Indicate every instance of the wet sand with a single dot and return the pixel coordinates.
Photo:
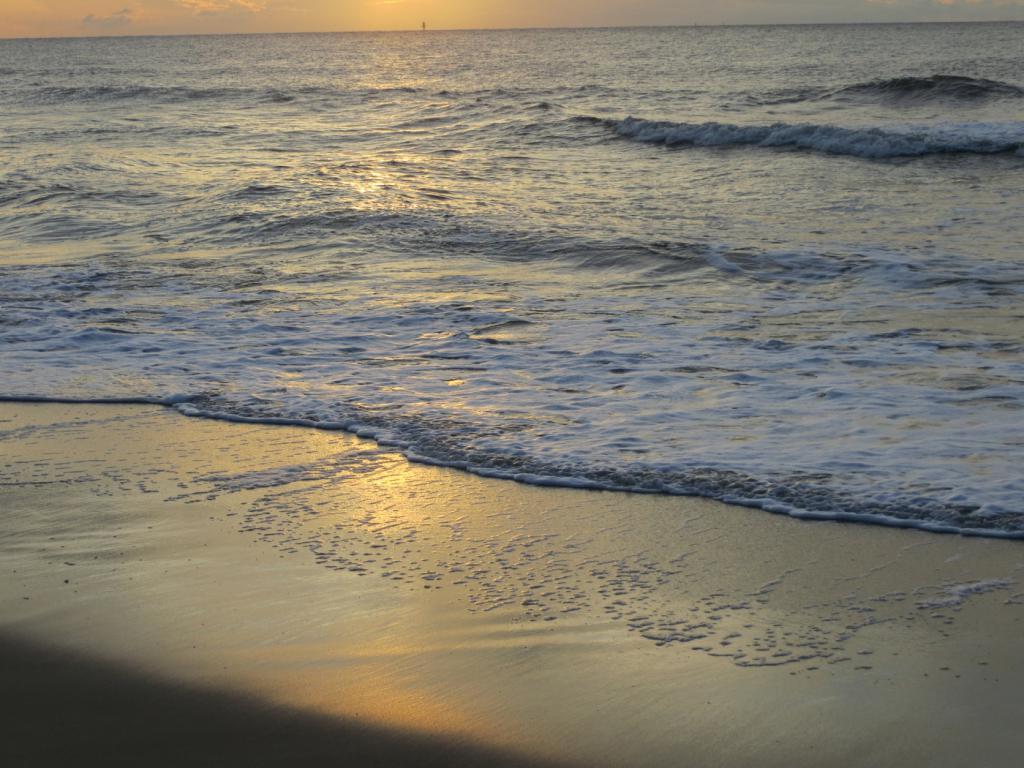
(66, 709)
(278, 595)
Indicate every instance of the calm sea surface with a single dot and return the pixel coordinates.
(777, 266)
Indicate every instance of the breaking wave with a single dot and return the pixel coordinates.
(872, 143)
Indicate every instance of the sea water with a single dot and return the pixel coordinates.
(778, 266)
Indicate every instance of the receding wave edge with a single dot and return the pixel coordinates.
(185, 405)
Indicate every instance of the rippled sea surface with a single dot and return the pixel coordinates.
(777, 266)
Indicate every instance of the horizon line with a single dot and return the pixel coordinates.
(419, 30)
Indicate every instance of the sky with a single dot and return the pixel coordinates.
(44, 18)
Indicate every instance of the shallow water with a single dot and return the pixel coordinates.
(776, 266)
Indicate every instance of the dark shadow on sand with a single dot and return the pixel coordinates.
(62, 709)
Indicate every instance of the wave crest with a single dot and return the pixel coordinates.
(872, 142)
(943, 87)
(895, 91)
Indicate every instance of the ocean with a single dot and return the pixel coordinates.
(776, 266)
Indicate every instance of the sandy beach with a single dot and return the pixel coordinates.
(183, 590)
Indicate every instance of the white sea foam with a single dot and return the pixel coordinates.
(954, 595)
(785, 407)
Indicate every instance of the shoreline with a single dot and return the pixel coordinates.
(316, 572)
(180, 404)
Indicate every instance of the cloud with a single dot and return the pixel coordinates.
(207, 7)
(114, 20)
